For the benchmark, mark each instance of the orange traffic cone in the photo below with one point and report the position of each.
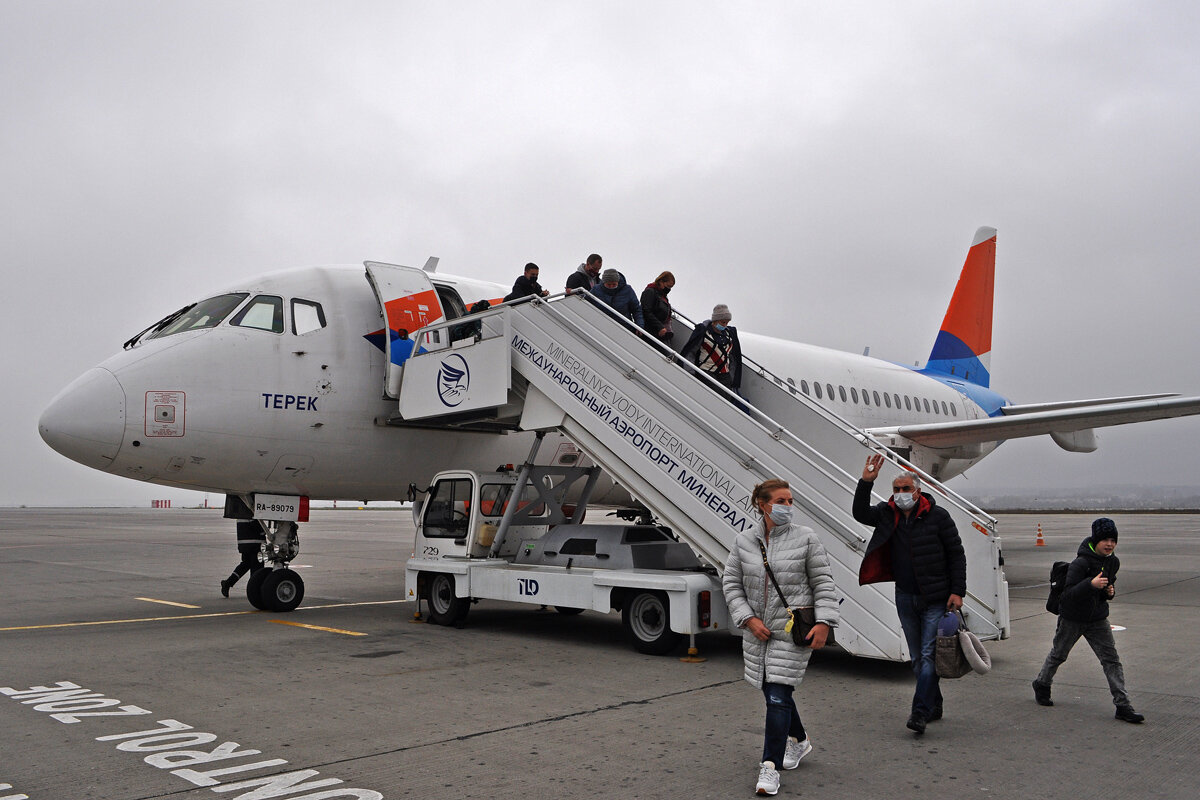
(1040, 541)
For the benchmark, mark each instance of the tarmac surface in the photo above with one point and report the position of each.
(153, 686)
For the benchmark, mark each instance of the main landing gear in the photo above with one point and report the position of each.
(276, 587)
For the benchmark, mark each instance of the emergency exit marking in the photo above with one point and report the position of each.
(165, 411)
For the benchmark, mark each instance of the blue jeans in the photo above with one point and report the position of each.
(920, 624)
(1099, 636)
(783, 720)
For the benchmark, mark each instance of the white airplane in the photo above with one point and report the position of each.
(279, 388)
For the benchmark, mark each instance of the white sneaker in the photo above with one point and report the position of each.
(795, 751)
(768, 779)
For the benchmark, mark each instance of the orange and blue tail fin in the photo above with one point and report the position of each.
(964, 344)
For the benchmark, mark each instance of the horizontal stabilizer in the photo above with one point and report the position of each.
(1030, 408)
(1094, 414)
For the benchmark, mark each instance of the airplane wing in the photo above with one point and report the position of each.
(1055, 419)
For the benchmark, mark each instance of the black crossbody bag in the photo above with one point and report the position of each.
(802, 619)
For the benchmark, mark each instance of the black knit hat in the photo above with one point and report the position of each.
(1103, 528)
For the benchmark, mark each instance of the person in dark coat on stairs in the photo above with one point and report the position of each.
(656, 308)
(614, 291)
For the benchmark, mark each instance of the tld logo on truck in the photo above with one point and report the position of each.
(527, 586)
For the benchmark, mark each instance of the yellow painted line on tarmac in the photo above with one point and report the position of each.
(165, 602)
(350, 605)
(317, 628)
(185, 616)
(124, 621)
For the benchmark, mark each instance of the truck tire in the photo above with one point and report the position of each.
(444, 607)
(646, 616)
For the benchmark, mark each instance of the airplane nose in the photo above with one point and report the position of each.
(86, 421)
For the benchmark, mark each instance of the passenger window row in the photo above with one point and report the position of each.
(869, 397)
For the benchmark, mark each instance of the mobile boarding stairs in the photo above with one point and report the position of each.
(684, 446)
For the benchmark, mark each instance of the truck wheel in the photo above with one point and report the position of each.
(444, 607)
(647, 617)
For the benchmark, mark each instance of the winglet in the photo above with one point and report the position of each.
(431, 264)
(964, 344)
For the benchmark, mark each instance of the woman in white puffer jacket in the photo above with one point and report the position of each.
(773, 662)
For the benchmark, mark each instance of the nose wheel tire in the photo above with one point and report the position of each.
(444, 607)
(254, 588)
(647, 620)
(282, 590)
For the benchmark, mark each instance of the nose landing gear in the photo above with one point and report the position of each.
(276, 587)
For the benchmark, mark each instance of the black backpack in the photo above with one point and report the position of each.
(1058, 577)
(469, 329)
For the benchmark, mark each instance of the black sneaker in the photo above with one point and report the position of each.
(224, 588)
(1041, 693)
(916, 723)
(1127, 714)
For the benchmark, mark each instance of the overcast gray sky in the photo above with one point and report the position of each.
(821, 168)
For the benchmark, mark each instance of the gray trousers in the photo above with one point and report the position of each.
(1099, 636)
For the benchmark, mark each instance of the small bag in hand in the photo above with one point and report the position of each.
(801, 625)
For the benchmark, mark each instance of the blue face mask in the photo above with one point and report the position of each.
(781, 514)
(720, 328)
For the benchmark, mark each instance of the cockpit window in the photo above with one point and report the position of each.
(264, 313)
(205, 314)
(307, 316)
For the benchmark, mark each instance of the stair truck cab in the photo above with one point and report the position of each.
(474, 543)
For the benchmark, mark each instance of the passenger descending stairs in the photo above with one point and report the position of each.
(690, 451)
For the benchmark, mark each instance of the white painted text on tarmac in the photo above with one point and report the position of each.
(12, 796)
(172, 745)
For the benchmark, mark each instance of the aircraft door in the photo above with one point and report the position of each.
(409, 303)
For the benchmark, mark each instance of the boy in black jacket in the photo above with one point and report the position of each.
(1083, 611)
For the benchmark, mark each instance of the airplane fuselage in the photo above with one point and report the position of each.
(241, 409)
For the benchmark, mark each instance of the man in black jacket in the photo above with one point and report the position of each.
(587, 274)
(1083, 611)
(915, 544)
(527, 284)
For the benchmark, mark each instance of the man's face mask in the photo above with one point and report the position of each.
(903, 497)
